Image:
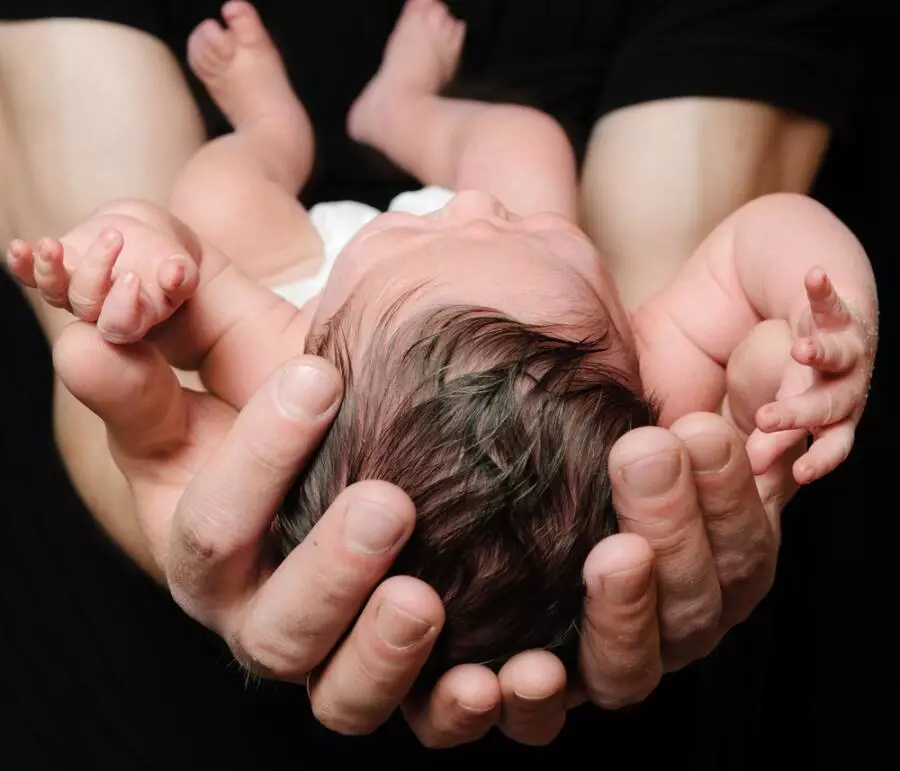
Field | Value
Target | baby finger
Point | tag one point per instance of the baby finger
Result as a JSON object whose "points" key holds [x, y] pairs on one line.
{"points": [[92, 279], [50, 274], [830, 448], [20, 259], [820, 406], [828, 309], [834, 353], [124, 317], [763, 449]]}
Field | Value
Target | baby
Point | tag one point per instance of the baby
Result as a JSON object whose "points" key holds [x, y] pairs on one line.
{"points": [[489, 364]]}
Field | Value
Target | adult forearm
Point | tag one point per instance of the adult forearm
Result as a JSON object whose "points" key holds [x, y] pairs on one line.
{"points": [[102, 113], [658, 177]]}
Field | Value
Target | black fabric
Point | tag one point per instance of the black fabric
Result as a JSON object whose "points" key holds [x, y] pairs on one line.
{"points": [[100, 670], [575, 59]]}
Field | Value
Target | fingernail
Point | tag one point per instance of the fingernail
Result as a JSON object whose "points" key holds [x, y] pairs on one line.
{"points": [[130, 280], [709, 452], [371, 529], [628, 586], [305, 391], [398, 628], [110, 237], [655, 475], [474, 711], [177, 267], [533, 696]]}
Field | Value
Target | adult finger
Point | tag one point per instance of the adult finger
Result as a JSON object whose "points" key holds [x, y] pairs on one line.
{"points": [[306, 606], [620, 661], [373, 670], [533, 687], [655, 496], [744, 545], [463, 706], [106, 377], [219, 525]]}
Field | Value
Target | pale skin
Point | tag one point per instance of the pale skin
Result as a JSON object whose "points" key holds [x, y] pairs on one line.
{"points": [[624, 629], [537, 268], [684, 165]]}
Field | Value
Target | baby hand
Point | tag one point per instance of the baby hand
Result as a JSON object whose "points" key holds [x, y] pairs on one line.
{"points": [[99, 288], [823, 390]]}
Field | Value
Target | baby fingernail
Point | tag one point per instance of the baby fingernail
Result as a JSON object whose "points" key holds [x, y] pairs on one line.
{"points": [[628, 586], [655, 475], [371, 529], [306, 391], [709, 452], [110, 237], [398, 628]]}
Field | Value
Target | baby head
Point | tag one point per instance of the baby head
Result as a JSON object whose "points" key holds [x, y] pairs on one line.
{"points": [[489, 368]]}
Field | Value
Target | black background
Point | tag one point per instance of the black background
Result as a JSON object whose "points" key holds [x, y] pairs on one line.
{"points": [[99, 669]]}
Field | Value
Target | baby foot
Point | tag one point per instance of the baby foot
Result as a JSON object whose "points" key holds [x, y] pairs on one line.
{"points": [[241, 67], [125, 306], [421, 56]]}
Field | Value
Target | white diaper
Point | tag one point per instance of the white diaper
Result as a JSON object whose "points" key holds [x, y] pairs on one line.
{"points": [[338, 221]]}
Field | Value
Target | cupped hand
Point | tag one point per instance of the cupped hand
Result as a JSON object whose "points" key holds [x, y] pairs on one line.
{"points": [[696, 552]]}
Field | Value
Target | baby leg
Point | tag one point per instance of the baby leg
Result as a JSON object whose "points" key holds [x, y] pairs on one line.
{"points": [[518, 154], [240, 190]]}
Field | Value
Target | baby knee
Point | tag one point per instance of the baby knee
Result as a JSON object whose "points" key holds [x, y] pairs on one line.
{"points": [[531, 125]]}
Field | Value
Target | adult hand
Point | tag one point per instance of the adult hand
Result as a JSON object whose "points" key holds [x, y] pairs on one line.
{"points": [[695, 555], [709, 534], [207, 482], [696, 552]]}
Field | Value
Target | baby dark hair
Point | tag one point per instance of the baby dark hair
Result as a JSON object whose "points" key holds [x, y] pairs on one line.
{"points": [[500, 434]]}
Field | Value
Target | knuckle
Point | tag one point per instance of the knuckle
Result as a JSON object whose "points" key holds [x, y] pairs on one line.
{"points": [[627, 691], [341, 720], [688, 623], [197, 543], [739, 567], [84, 306], [338, 583], [738, 570], [623, 674], [55, 298], [208, 534], [265, 454], [268, 655], [726, 502]]}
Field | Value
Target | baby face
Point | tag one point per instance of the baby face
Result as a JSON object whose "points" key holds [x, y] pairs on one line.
{"points": [[539, 269]]}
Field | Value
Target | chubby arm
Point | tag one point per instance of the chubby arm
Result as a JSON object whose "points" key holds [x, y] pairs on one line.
{"points": [[138, 272], [753, 267]]}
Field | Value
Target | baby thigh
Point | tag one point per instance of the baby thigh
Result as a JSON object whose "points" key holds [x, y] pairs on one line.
{"points": [[518, 154], [225, 195]]}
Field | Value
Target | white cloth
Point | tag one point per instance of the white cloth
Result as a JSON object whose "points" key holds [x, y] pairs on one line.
{"points": [[338, 221]]}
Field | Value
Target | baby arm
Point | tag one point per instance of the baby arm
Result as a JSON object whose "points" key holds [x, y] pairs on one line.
{"points": [[781, 257], [132, 265]]}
